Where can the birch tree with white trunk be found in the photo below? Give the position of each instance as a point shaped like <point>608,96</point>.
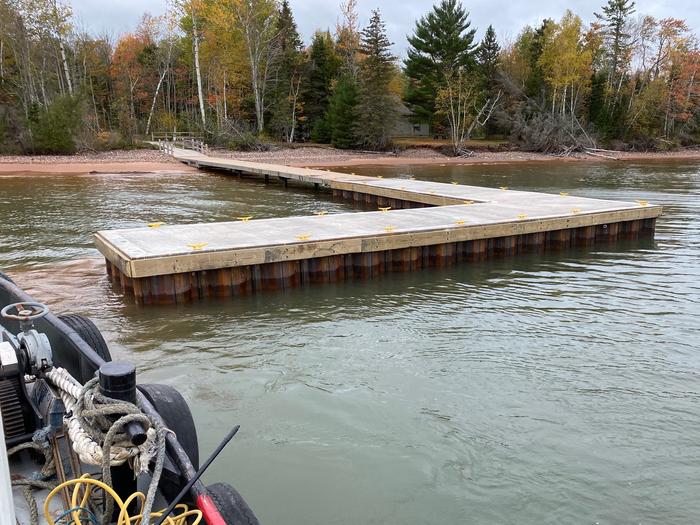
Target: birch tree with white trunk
<point>193,10</point>
<point>257,22</point>
<point>460,100</point>
<point>169,21</point>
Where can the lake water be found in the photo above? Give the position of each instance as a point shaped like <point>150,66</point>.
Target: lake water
<point>561,388</point>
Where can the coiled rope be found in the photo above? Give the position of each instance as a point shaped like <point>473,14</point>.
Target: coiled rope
<point>88,423</point>
<point>40,443</point>
<point>96,427</point>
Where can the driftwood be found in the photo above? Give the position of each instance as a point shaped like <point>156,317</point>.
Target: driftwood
<point>601,150</point>
<point>594,154</point>
<point>537,128</point>
<point>463,152</point>
<point>374,152</point>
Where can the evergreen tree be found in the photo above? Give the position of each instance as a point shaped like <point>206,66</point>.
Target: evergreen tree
<point>441,43</point>
<point>533,46</point>
<point>54,129</point>
<point>322,132</point>
<point>322,71</point>
<point>618,47</point>
<point>596,103</point>
<point>618,41</point>
<point>289,64</point>
<point>488,58</point>
<point>342,113</point>
<point>377,108</point>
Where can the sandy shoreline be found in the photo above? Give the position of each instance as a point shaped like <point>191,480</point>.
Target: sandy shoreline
<point>69,168</point>
<point>149,161</point>
<point>131,161</point>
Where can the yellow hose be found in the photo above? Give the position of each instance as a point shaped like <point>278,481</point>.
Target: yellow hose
<point>86,484</point>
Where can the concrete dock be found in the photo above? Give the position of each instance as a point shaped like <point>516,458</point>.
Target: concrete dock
<point>420,224</point>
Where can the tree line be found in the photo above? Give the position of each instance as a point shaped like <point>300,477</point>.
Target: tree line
<point>239,72</point>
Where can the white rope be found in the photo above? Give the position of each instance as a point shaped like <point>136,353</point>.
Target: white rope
<point>84,445</point>
<point>100,440</point>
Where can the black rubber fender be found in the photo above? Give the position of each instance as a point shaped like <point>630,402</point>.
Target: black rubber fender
<point>177,416</point>
<point>3,275</point>
<point>231,505</point>
<point>89,333</point>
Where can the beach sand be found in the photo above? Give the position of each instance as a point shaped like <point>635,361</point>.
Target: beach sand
<point>148,161</point>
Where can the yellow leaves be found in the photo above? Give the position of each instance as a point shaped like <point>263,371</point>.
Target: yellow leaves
<point>397,85</point>
<point>564,59</point>
<point>222,47</point>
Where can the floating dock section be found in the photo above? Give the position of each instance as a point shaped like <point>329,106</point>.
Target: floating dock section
<point>419,224</point>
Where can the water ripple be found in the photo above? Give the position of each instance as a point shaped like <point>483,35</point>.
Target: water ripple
<point>559,388</point>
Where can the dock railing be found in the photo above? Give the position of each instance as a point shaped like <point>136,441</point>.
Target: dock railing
<point>167,142</point>
<point>175,135</point>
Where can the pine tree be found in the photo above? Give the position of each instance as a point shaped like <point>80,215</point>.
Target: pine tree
<point>54,129</point>
<point>342,113</point>
<point>535,85</point>
<point>289,68</point>
<point>488,58</point>
<point>618,45</point>
<point>596,101</point>
<point>614,19</point>
<point>322,71</point>
<point>377,108</point>
<point>441,43</point>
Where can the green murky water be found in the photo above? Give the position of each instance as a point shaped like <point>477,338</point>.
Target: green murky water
<point>562,388</point>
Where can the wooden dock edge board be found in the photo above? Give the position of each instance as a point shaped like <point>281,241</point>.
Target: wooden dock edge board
<point>113,254</point>
<point>399,194</point>
<point>210,260</point>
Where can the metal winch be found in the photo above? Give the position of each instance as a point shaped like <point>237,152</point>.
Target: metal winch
<point>27,353</point>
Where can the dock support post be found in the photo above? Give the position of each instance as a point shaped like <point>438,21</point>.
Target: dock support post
<point>648,227</point>
<point>584,236</point>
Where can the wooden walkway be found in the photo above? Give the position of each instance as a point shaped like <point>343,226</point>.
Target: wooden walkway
<point>428,224</point>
